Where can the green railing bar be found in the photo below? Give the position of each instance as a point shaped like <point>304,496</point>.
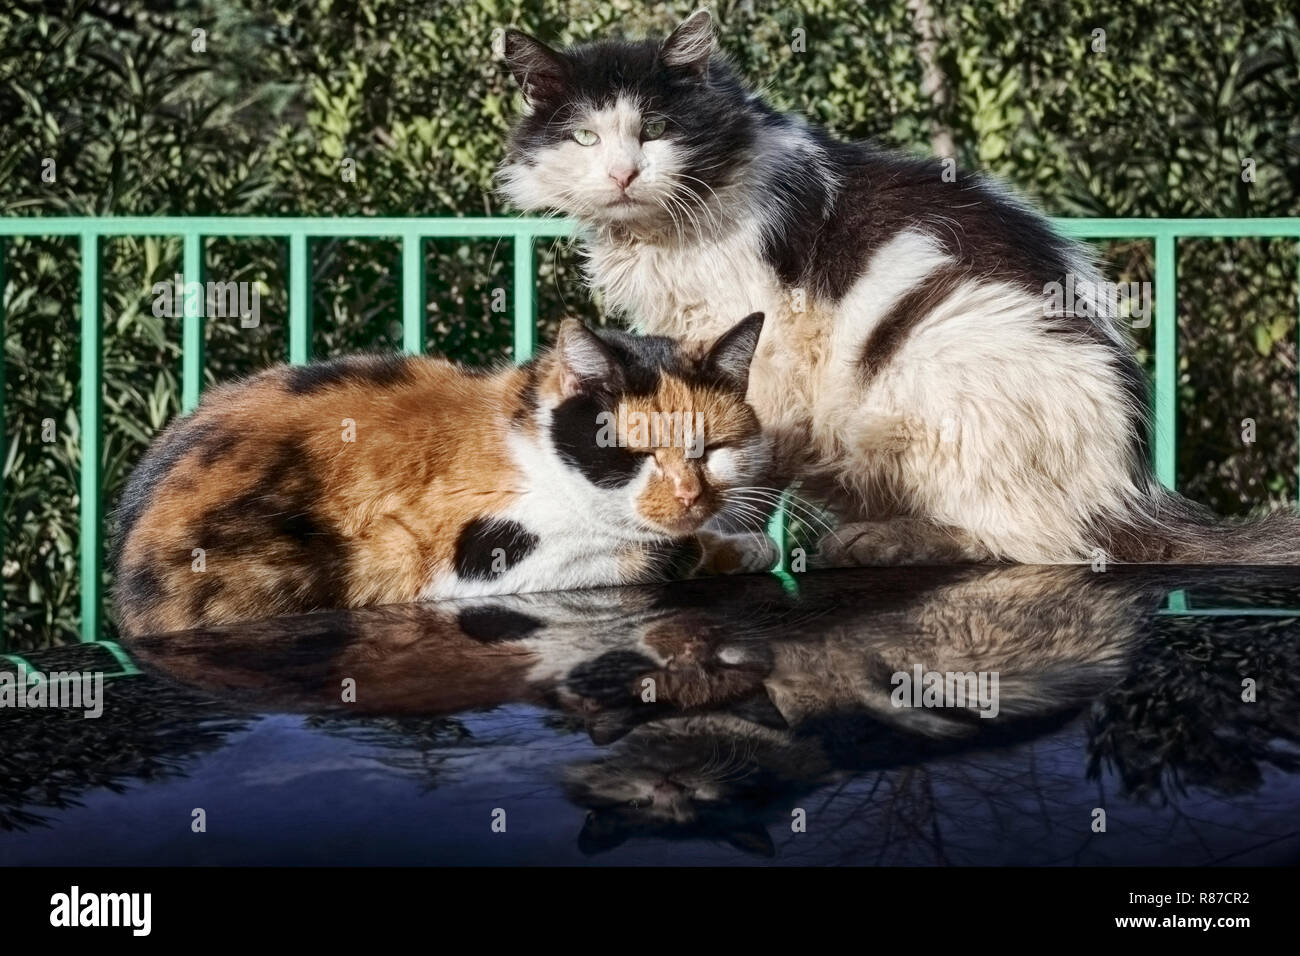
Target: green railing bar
<point>1264,228</point>
<point>192,357</point>
<point>299,299</point>
<point>413,294</point>
<point>128,666</point>
<point>525,317</point>
<point>444,227</point>
<point>1166,361</point>
<point>29,673</point>
<point>1228,612</point>
<point>777,531</point>
<point>92,333</point>
<point>469,227</point>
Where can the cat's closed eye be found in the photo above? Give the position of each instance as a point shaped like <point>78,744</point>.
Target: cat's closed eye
<point>721,460</point>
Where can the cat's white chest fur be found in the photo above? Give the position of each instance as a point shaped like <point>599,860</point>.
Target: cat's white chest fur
<point>699,290</point>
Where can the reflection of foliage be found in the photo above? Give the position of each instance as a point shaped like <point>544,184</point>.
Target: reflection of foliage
<point>419,745</point>
<point>1179,720</point>
<point>150,729</point>
<point>1174,732</point>
<point>141,124</point>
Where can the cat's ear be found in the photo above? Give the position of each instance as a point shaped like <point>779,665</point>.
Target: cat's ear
<point>731,355</point>
<point>587,365</point>
<point>690,45</point>
<point>539,70</point>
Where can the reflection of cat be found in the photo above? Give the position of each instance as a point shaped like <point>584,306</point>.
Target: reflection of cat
<point>720,700</point>
<point>1056,636</point>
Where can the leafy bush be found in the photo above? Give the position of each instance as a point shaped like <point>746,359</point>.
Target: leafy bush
<point>139,121</point>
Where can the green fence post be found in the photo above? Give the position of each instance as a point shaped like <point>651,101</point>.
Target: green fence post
<point>525,317</point>
<point>299,299</point>
<point>1166,346</point>
<point>413,294</point>
<point>192,330</point>
<point>92,334</point>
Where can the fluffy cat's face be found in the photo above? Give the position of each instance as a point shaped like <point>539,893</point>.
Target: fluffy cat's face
<point>665,433</point>
<point>635,134</point>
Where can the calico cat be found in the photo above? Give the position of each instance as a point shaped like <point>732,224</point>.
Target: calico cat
<point>916,370</point>
<point>378,480</point>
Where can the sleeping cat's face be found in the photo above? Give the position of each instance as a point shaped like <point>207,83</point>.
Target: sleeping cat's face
<point>642,134</point>
<point>663,433</point>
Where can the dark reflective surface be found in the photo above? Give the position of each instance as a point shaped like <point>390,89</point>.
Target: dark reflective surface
<point>768,707</point>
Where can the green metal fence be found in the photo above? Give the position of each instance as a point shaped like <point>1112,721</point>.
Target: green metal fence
<point>299,232</point>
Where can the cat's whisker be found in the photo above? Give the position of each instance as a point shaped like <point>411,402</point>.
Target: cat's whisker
<point>797,505</point>
<point>794,505</point>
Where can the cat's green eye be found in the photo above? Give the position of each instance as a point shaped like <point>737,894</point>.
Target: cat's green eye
<point>653,129</point>
<point>585,137</point>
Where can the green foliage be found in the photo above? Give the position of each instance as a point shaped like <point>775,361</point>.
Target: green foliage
<point>138,121</point>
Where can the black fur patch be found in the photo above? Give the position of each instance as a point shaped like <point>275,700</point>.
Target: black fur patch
<point>528,399</point>
<point>378,371</point>
<point>174,444</point>
<point>882,194</point>
<point>492,624</point>
<point>575,427</point>
<point>488,547</point>
<point>279,511</point>
<point>142,584</point>
<point>893,329</point>
<point>218,446</point>
<point>610,679</point>
<point>205,592</point>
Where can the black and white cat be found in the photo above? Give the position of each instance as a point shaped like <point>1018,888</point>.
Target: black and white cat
<point>912,369</point>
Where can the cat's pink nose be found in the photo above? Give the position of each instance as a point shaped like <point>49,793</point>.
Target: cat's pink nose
<point>687,495</point>
<point>623,177</point>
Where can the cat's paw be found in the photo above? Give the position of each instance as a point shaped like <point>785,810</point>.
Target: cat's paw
<point>871,544</point>
<point>853,546</point>
<point>891,543</point>
<point>747,553</point>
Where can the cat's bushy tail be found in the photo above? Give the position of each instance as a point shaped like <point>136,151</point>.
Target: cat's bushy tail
<point>1170,529</point>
